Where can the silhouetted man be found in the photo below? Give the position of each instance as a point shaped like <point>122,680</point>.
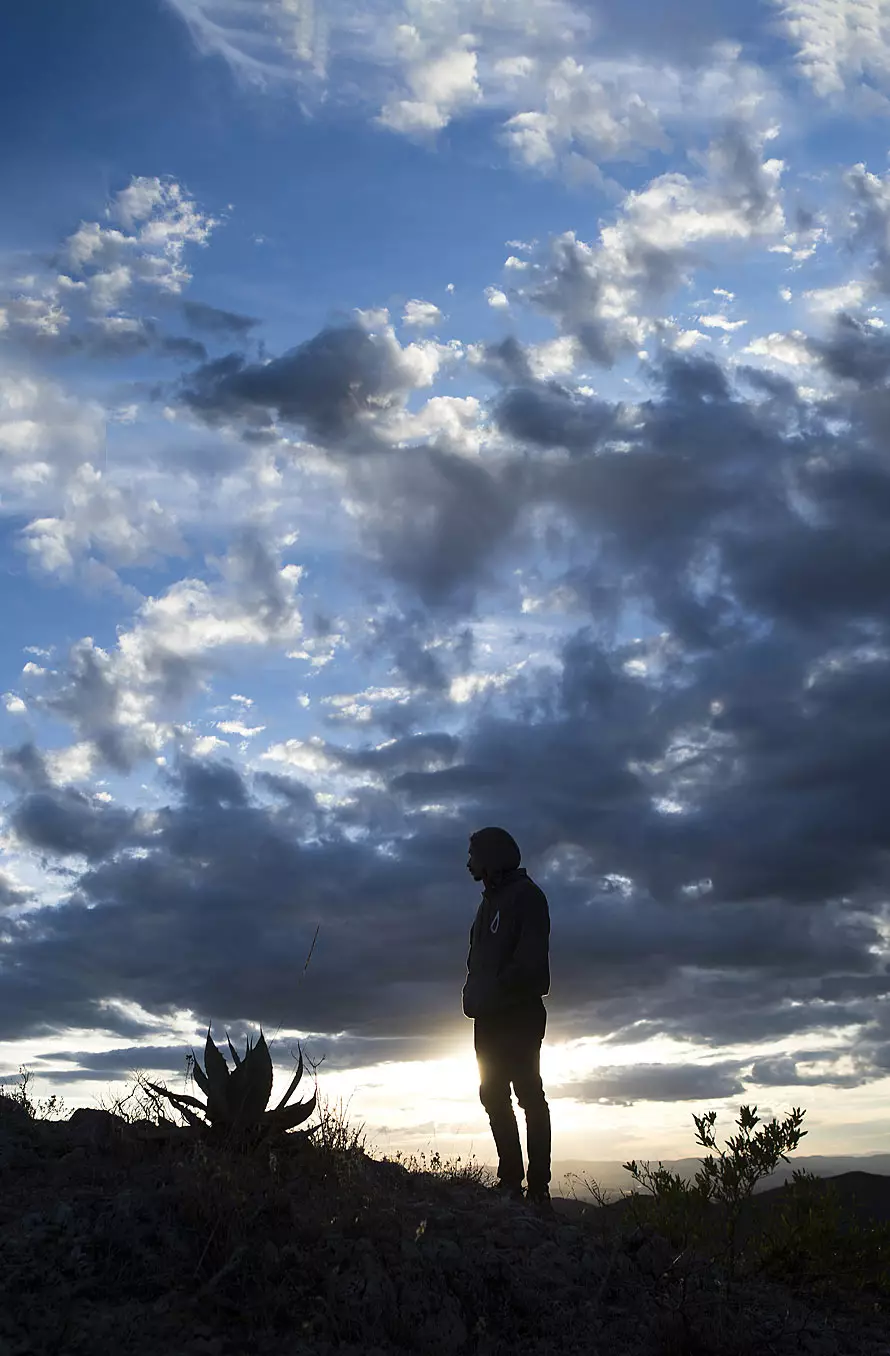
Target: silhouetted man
<point>508,974</point>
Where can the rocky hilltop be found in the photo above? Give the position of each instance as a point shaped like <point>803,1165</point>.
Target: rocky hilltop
<point>140,1239</point>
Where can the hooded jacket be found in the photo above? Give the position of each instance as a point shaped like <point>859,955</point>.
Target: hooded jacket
<point>508,964</point>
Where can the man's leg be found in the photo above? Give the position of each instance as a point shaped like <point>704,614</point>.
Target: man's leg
<point>526,1080</point>
<point>490,1038</point>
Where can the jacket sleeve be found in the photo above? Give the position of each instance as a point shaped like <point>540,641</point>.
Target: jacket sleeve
<point>527,971</point>
<point>471,996</point>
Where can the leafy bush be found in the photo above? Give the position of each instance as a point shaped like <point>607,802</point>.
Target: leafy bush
<point>812,1243</point>
<point>684,1211</point>
<point>53,1109</point>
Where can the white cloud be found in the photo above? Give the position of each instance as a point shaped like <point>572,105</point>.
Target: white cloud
<point>14,704</point>
<point>454,422</point>
<point>827,300</point>
<point>73,764</point>
<point>239,728</point>
<point>604,118</point>
<point>687,339</point>
<point>45,435</point>
<point>839,45</point>
<point>199,746</point>
<point>720,322</point>
<point>150,224</point>
<point>310,755</point>
<point>376,318</point>
<point>421,314</point>
<point>161,219</point>
<point>118,522</point>
<point>122,703</point>
<point>496,298</point>
<point>605,294</point>
<point>564,103</point>
<point>554,358</point>
<point>788,348</point>
<point>441,82</point>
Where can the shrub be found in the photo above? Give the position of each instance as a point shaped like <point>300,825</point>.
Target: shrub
<point>53,1109</point>
<point>726,1180</point>
<point>812,1242</point>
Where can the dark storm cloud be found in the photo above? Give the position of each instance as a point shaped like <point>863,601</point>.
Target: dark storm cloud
<point>169,1063</point>
<point>388,965</point>
<point>122,1063</point>
<point>24,767</point>
<point>548,415</point>
<point>414,752</point>
<point>12,895</point>
<point>854,350</point>
<point>703,807</point>
<point>326,384</point>
<point>782,1070</point>
<point>655,1083</point>
<point>146,336</point>
<point>734,1006</point>
<point>210,783</point>
<point>407,638</point>
<point>291,789</point>
<point>104,340</point>
<point>212,320</point>
<point>437,521</point>
<point>506,362</point>
<point>67,822</point>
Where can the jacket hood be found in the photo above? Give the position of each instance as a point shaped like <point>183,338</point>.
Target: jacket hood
<point>496,850</point>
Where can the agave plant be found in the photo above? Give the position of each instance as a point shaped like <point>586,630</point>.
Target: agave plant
<point>236,1098</point>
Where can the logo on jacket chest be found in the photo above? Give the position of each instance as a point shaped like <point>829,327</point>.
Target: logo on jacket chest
<point>495,922</point>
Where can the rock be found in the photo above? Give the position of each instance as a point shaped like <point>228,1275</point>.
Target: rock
<point>14,1115</point>
<point>91,1127</point>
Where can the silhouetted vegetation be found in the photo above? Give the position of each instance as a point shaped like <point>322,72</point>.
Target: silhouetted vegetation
<point>123,1229</point>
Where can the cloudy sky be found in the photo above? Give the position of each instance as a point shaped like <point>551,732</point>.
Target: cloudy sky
<point>418,415</point>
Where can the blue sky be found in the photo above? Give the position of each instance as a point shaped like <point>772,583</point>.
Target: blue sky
<point>416,416</point>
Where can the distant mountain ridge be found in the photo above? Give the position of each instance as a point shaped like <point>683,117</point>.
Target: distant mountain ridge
<point>611,1176</point>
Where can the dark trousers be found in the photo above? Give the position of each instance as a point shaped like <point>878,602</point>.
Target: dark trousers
<point>508,1051</point>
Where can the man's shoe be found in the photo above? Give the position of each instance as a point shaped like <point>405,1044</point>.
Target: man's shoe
<point>509,1190</point>
<point>541,1201</point>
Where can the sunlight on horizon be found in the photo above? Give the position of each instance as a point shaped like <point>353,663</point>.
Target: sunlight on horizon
<point>433,1105</point>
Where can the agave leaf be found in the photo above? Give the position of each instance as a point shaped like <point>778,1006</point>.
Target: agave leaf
<point>196,1121</point>
<point>262,1060</point>
<point>250,1085</point>
<point>294,1081</point>
<point>218,1077</point>
<point>235,1056</point>
<point>200,1076</point>
<point>177,1096</point>
<point>180,1100</point>
<point>285,1118</point>
<point>248,1092</point>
